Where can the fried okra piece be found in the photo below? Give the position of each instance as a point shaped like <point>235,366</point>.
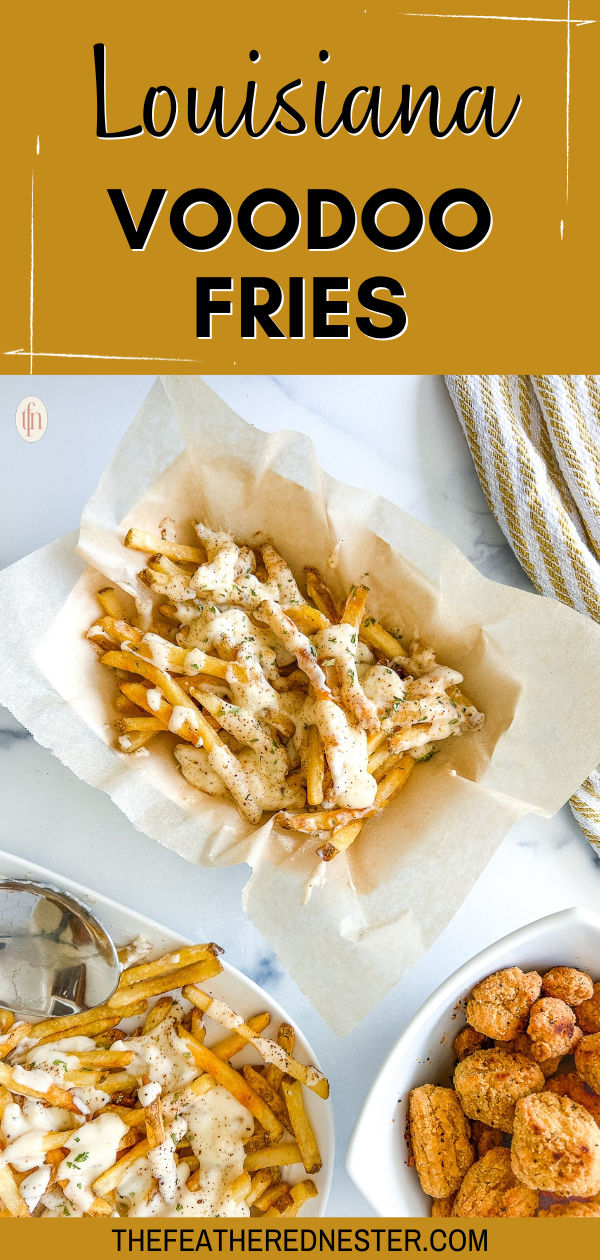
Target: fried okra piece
<point>587,1060</point>
<point>569,1085</point>
<point>484,1138</point>
<point>568,984</point>
<point>443,1207</point>
<point>439,1136</point>
<point>490,1082</point>
<point>552,1029</point>
<point>490,1188</point>
<point>556,1146</point>
<point>588,1012</point>
<point>468,1040</point>
<point>499,1005</point>
<point>522,1045</point>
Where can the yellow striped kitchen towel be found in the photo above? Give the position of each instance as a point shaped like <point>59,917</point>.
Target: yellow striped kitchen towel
<point>535,441</point>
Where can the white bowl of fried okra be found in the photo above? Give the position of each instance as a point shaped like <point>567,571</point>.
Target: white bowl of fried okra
<point>489,1103</point>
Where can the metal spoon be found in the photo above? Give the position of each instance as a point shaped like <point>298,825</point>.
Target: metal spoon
<point>55,957</point>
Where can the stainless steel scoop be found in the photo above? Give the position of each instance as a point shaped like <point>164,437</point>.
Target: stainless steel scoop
<point>55,957</point>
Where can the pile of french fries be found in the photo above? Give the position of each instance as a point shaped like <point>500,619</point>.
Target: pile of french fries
<point>282,1141</point>
<point>161,688</point>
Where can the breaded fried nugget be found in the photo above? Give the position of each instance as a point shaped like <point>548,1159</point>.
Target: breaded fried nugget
<point>572,1209</point>
<point>484,1138</point>
<point>552,1029</point>
<point>587,1060</point>
<point>556,1146</point>
<point>489,1083</point>
<point>568,984</point>
<point>490,1188</point>
<point>522,1045</point>
<point>439,1136</point>
<point>569,1085</point>
<point>468,1040</point>
<point>500,1004</point>
<point>588,1013</point>
<point>443,1207</point>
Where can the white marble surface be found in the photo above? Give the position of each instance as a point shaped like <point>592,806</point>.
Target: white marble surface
<point>396,435</point>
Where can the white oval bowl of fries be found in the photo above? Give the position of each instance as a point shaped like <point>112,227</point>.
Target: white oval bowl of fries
<point>377,1158</point>
<point>126,1099</point>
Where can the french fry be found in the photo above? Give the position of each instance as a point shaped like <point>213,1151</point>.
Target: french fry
<point>233,1044</point>
<point>130,744</point>
<point>157,1013</point>
<point>125,725</point>
<point>355,606</point>
<point>100,1207</point>
<point>127,707</point>
<point>155,1127</point>
<point>260,1182</point>
<point>340,841</point>
<point>301,1127</point>
<point>65,1025</point>
<point>113,1176</point>
<point>55,1094</point>
<point>286,1039</point>
<point>119,1083</point>
<point>306,618</point>
<point>6,1099</point>
<point>197,1028</point>
<point>299,1194</point>
<point>373,634</point>
<point>53,1141</point>
<point>322,819</point>
<point>110,601</point>
<point>86,1077</point>
<point>196,972</point>
<point>320,594</point>
<point>260,1085</point>
<point>105,1058</point>
<point>394,780</point>
<point>10,1194</point>
<point>16,1033</point>
<point>282,1154</point>
<point>92,1028</point>
<point>7,1020</point>
<point>169,963</point>
<point>256,1141</point>
<point>241,1186</point>
<point>273,1193</point>
<point>270,1050</point>
<point>140,540</point>
<point>133,1117</point>
<point>315,770</point>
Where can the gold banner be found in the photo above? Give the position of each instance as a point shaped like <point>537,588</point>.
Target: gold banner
<point>108,1238</point>
<point>392,187</point>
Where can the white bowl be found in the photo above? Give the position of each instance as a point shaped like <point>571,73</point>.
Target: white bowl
<point>377,1154</point>
<point>231,985</point>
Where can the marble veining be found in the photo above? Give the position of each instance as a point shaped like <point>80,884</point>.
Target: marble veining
<point>399,436</point>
